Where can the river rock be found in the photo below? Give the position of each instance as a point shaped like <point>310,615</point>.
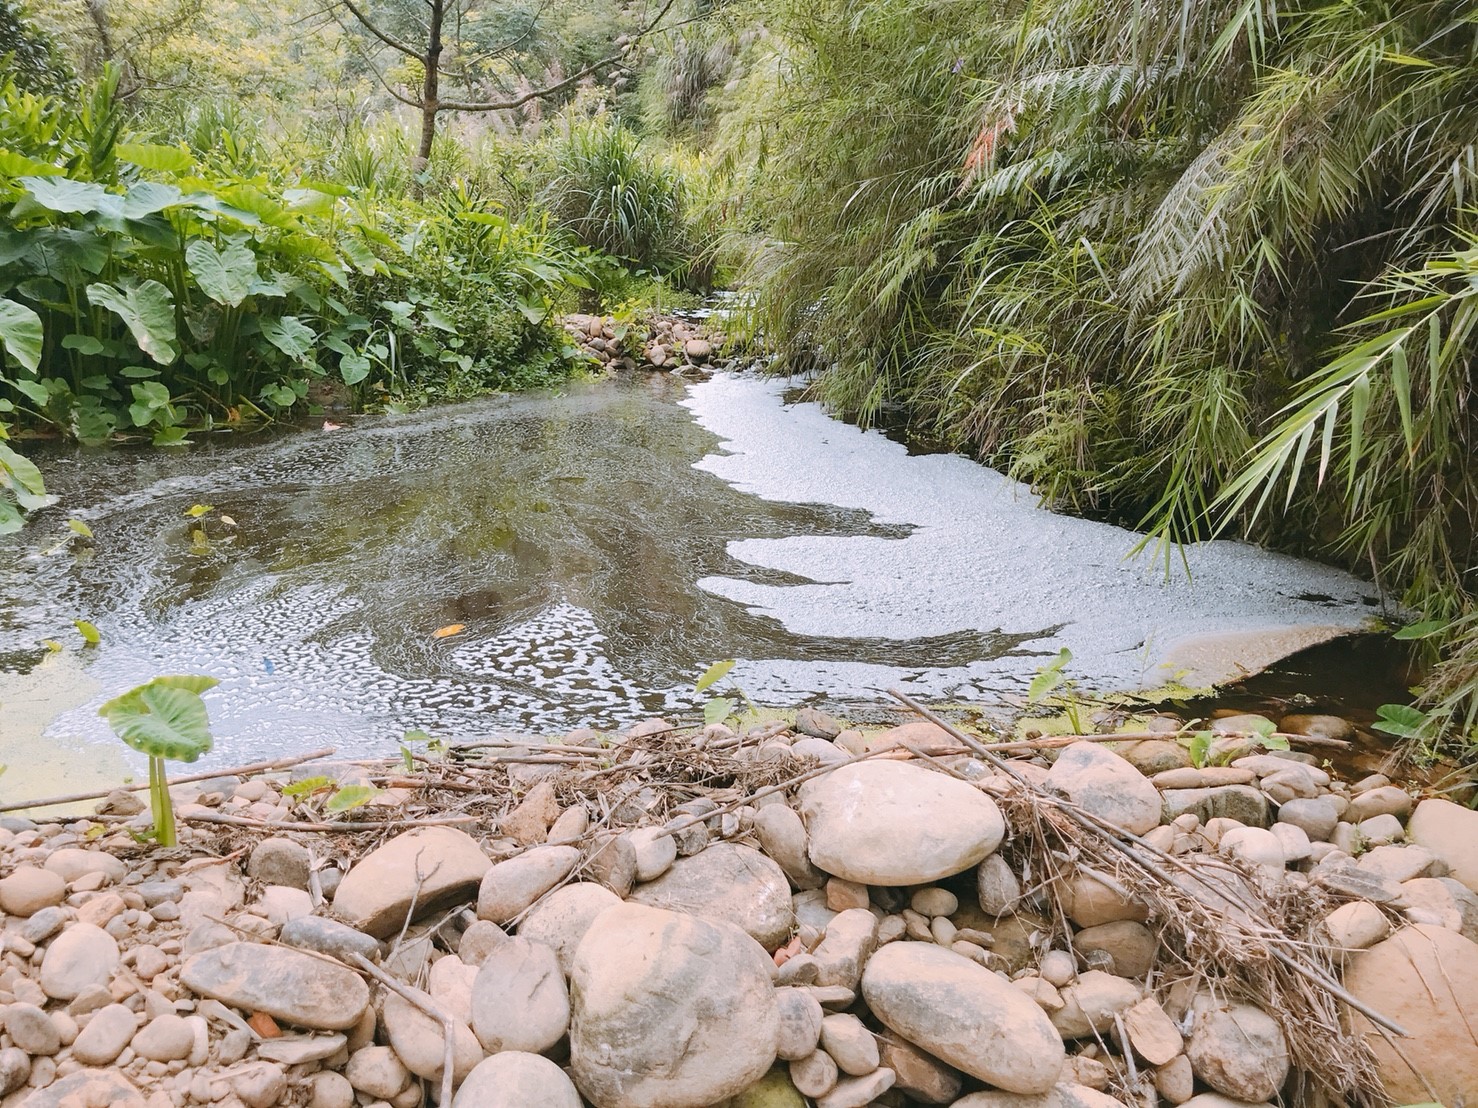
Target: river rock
<point>515,1079</point>
<point>891,823</point>
<point>86,1089</point>
<point>997,887</point>
<point>964,1015</point>
<point>1317,816</point>
<point>1424,978</point>
<point>72,863</point>
<point>81,956</point>
<point>434,867</point>
<point>279,861</point>
<point>1065,1095</point>
<point>1440,901</point>
<point>31,1029</point>
<point>165,1038</point>
<point>1242,803</point>
<point>851,1045</point>
<point>1106,785</point>
<point>298,988</point>
<point>420,1041</point>
<point>918,1075</point>
<point>1152,1032</point>
<point>450,985</point>
<point>106,1034</point>
<point>850,938</point>
<point>655,852</point>
<point>328,936</point>
<point>377,1072</point>
<point>782,835</point>
<point>814,1075</point>
<point>509,887</point>
<point>296,1050</point>
<point>1239,1051</point>
<point>1449,831</point>
<point>857,1092</point>
<point>731,884</point>
<point>519,998</point>
<point>1131,945</point>
<point>29,889</point>
<point>1090,902</point>
<point>1089,1004</point>
<point>800,1023</point>
<point>563,917</point>
<point>669,1009</point>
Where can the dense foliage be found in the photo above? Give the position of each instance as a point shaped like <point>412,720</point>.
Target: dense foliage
<point>1196,263</point>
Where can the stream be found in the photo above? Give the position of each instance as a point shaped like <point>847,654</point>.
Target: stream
<point>600,547</point>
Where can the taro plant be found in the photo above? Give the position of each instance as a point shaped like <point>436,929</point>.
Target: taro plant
<point>165,719</point>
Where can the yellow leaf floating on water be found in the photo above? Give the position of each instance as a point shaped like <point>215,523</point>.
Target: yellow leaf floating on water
<point>449,630</point>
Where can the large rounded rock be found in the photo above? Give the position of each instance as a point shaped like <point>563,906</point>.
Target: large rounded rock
<point>80,957</point>
<point>419,1040</point>
<point>286,984</point>
<point>965,1015</point>
<point>1449,831</point>
<point>1107,786</point>
<point>519,998</point>
<point>516,1080</point>
<point>563,917</point>
<point>891,823</point>
<point>1239,1051</point>
<point>669,1010</point>
<point>511,886</point>
<point>1424,978</point>
<point>431,867</point>
<point>732,884</point>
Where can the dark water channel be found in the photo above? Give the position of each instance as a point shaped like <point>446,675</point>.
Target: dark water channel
<point>601,548</point>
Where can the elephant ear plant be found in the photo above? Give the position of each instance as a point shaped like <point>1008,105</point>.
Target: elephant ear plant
<point>164,718</point>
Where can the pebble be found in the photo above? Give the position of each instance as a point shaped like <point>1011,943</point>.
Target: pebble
<point>164,1039</point>
<point>800,1023</point>
<point>851,1045</point>
<point>81,956</point>
<point>279,861</point>
<point>31,1029</point>
<point>29,890</point>
<point>108,1031</point>
<point>377,1072</point>
<point>814,1075</point>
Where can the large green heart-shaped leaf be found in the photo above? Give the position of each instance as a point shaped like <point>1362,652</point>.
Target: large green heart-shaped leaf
<point>62,194</point>
<point>226,276</point>
<point>290,335</point>
<point>148,311</point>
<point>164,718</point>
<point>20,333</point>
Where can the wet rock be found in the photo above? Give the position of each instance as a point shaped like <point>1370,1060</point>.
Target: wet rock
<point>420,1041</point>
<point>1104,784</point>
<point>279,861</point>
<point>1424,978</point>
<point>28,890</point>
<point>508,888</point>
<point>669,1009</point>
<point>563,917</point>
<point>297,988</point>
<point>1239,1051</point>
<point>890,823</point>
<point>1318,726</point>
<point>730,884</point>
<point>433,867</point>
<point>1449,831</point>
<point>515,1079</point>
<point>108,1031</point>
<point>329,936</point>
<point>81,956</point>
<point>519,998</point>
<point>964,1015</point>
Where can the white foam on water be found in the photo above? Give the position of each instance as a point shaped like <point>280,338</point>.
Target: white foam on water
<point>984,556</point>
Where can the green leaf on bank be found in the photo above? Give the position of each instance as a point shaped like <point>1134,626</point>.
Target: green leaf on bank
<point>164,718</point>
<point>1401,720</point>
<point>80,528</point>
<point>226,276</point>
<point>21,333</point>
<point>148,312</point>
<point>350,797</point>
<point>718,709</point>
<point>714,674</point>
<point>1424,630</point>
<point>148,155</point>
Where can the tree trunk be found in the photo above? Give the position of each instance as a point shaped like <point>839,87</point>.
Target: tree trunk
<point>430,92</point>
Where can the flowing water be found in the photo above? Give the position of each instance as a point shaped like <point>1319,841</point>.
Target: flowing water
<point>601,547</point>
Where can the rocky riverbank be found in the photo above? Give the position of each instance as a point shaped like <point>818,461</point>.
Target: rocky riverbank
<point>799,914</point>
<point>658,342</point>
